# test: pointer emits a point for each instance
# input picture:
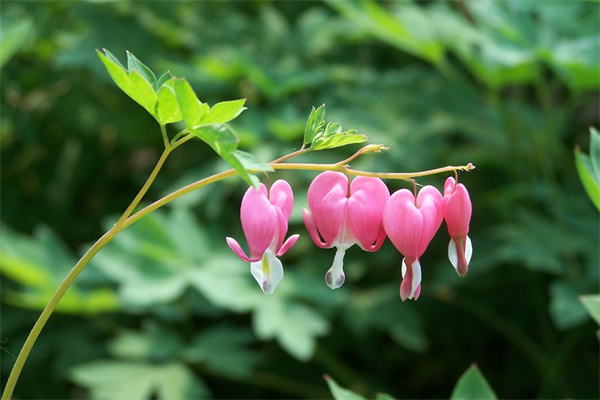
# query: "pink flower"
(264, 218)
(344, 215)
(457, 213)
(410, 226)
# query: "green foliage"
(38, 263)
(320, 136)
(138, 82)
(472, 385)
(510, 86)
(340, 393)
(592, 304)
(132, 380)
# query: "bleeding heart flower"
(264, 218)
(410, 226)
(344, 215)
(457, 213)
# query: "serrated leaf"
(472, 385)
(143, 93)
(132, 83)
(163, 78)
(133, 64)
(117, 72)
(224, 111)
(191, 108)
(224, 142)
(220, 137)
(168, 107)
(251, 163)
(111, 57)
(334, 138)
(315, 123)
(340, 393)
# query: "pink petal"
(312, 229)
(457, 208)
(237, 249)
(281, 231)
(259, 221)
(403, 223)
(365, 211)
(429, 202)
(327, 198)
(288, 244)
(282, 197)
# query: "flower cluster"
(343, 213)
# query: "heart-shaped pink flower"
(342, 215)
(411, 224)
(264, 216)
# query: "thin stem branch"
(163, 131)
(43, 318)
(66, 283)
(146, 186)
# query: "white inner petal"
(468, 250)
(453, 254)
(268, 272)
(416, 268)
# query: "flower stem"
(66, 283)
(43, 318)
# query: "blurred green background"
(167, 311)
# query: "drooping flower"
(342, 215)
(457, 213)
(411, 224)
(264, 216)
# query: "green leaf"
(384, 396)
(224, 111)
(334, 137)
(163, 79)
(168, 107)
(294, 326)
(191, 108)
(224, 142)
(588, 168)
(143, 93)
(315, 123)
(592, 305)
(117, 72)
(133, 83)
(565, 308)
(251, 163)
(472, 385)
(108, 380)
(15, 33)
(225, 350)
(133, 64)
(586, 172)
(340, 393)
(38, 264)
(595, 153)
